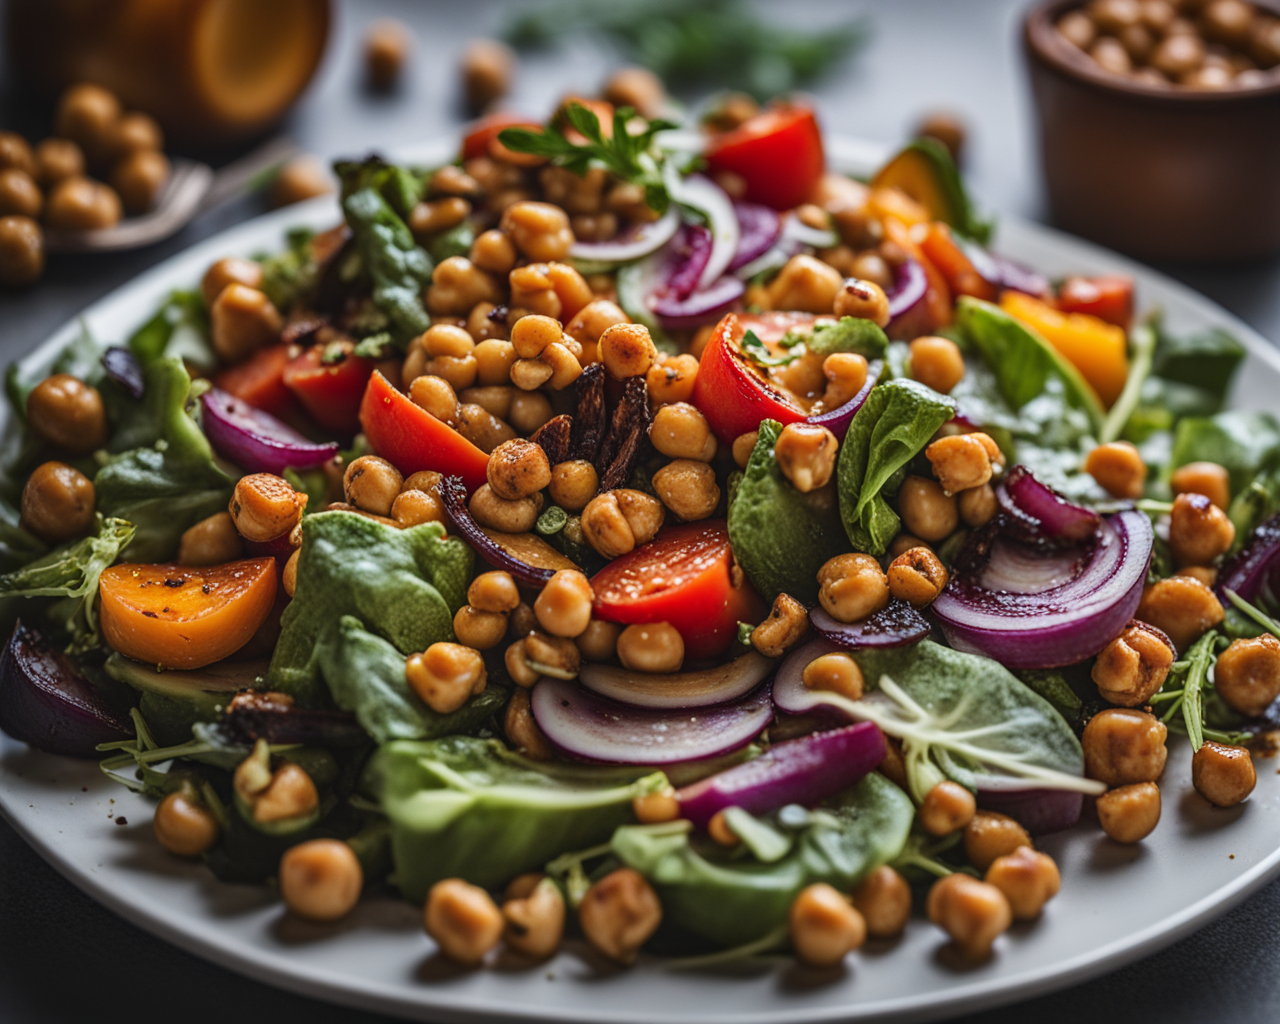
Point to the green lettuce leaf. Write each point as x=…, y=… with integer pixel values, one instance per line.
x=399, y=268
x=1242, y=441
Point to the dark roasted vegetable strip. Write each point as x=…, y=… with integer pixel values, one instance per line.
x=254, y=716
x=453, y=492
x=553, y=438
x=590, y=418
x=629, y=427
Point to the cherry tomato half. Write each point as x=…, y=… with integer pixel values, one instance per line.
x=778, y=153
x=259, y=380
x=685, y=576
x=1108, y=298
x=330, y=391
x=484, y=131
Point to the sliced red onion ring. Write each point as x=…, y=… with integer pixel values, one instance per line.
x=453, y=495
x=1037, y=513
x=797, y=231
x=701, y=193
x=759, y=227
x=774, y=258
x=1018, y=278
x=896, y=625
x=702, y=307
x=1026, y=607
x=837, y=420
x=255, y=440
x=790, y=695
x=122, y=366
x=1254, y=572
x=588, y=726
x=1039, y=811
x=633, y=244
x=909, y=289
x=690, y=250
x=697, y=688
x=803, y=771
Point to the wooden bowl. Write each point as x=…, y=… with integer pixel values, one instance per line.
x=1163, y=173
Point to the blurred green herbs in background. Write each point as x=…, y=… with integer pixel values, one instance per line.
x=691, y=43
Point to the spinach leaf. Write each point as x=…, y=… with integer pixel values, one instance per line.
x=1207, y=361
x=291, y=274
x=181, y=322
x=1052, y=685
x=1241, y=441
x=733, y=900
x=1255, y=504
x=399, y=267
x=457, y=241
x=82, y=358
x=473, y=809
x=1162, y=403
x=365, y=675
x=406, y=584
x=780, y=536
x=892, y=427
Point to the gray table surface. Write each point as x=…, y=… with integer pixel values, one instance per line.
x=63, y=958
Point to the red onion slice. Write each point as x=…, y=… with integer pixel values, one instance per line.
x=633, y=244
x=702, y=307
x=588, y=726
x=453, y=495
x=1253, y=572
x=802, y=771
x=1039, y=811
x=697, y=688
x=1036, y=513
x=703, y=194
x=122, y=366
x=896, y=625
x=758, y=227
x=790, y=695
x=1029, y=608
x=908, y=291
x=837, y=420
x=689, y=254
x=255, y=440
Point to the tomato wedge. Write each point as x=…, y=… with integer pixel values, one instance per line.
x=259, y=380
x=1108, y=298
x=484, y=131
x=778, y=153
x=685, y=576
x=330, y=392
x=412, y=440
x=732, y=393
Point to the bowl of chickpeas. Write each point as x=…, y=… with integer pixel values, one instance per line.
x=1159, y=124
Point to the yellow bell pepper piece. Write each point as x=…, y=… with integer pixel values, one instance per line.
x=1097, y=349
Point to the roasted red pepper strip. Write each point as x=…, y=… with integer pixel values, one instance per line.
x=259, y=380
x=954, y=265
x=330, y=392
x=1108, y=298
x=778, y=153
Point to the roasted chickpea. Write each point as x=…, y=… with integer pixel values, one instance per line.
x=671, y=380
x=81, y=204
x=462, y=919
x=883, y=899
x=21, y=251
x=1178, y=54
x=627, y=350
x=227, y=271
x=501, y=514
x=436, y=395
x=806, y=284
x=435, y=215
x=139, y=178
x=1118, y=468
x=57, y=503
x=973, y=913
x=825, y=927
x=494, y=359
x=743, y=446
x=241, y=321
x=1207, y=478
x=916, y=576
x=865, y=300
x=521, y=729
x=977, y=506
x=212, y=541
x=926, y=509
x=481, y=630
x=290, y=794
x=518, y=469
x=688, y=488
x=563, y=607
x=68, y=414
x=846, y=373
x=651, y=647
x=653, y=808
x=619, y=913
x=835, y=673
x=806, y=454
x=936, y=363
x=487, y=67
x=618, y=521
x=599, y=641
x=289, y=574
x=530, y=410
x=787, y=622
x=963, y=461
x=457, y=285
x=19, y=196
x=1182, y=607
x=320, y=879
x=1124, y=745
x=1134, y=665
x=264, y=507
x=184, y=826
x=371, y=484
x=990, y=835
x=720, y=832
x=1128, y=814
x=1199, y=531
x=15, y=152
x=56, y=159
x=535, y=921
x=946, y=808
x=482, y=428
x=904, y=542
x=134, y=132
x=1247, y=674
x=680, y=431
x=1223, y=774
x=87, y=115
x=301, y=178
x=1028, y=880
x=445, y=676
x=574, y=484
x=539, y=230
x=852, y=587
x=494, y=592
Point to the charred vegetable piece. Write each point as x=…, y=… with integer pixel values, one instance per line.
x=628, y=428
x=590, y=418
x=453, y=493
x=263, y=716
x=554, y=438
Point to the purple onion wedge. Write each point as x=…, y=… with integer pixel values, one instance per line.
x=837, y=420
x=1039, y=811
x=759, y=227
x=122, y=366
x=702, y=307
x=909, y=289
x=802, y=771
x=1254, y=572
x=1038, y=514
x=896, y=625
x=690, y=251
x=48, y=703
x=696, y=688
x=255, y=440
x=635, y=243
x=453, y=495
x=593, y=728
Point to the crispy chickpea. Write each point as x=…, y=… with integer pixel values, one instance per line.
x=135, y=132
x=1178, y=54
x=824, y=926
x=19, y=196
x=916, y=576
x=651, y=647
x=680, y=431
x=462, y=919
x=371, y=484
x=1133, y=666
x=852, y=587
x=457, y=285
x=574, y=484
x=289, y=574
x=184, y=826
x=1128, y=814
x=516, y=660
x=688, y=488
x=1118, y=468
x=936, y=363
x=1111, y=55
x=835, y=673
x=927, y=510
x=494, y=359
x=81, y=204
x=481, y=630
x=1247, y=674
x=529, y=410
x=627, y=350
x=1124, y=745
x=963, y=461
x=1181, y=607
x=535, y=920
x=563, y=607
x=973, y=913
x=241, y=321
x=57, y=503
x=1206, y=574
x=139, y=178
x=743, y=446
x=554, y=656
x=846, y=373
x=532, y=334
x=494, y=252
x=805, y=284
x=21, y=251
x=482, y=428
x=571, y=288
x=450, y=354
x=990, y=835
x=883, y=899
x=946, y=808
x=436, y=395
x=320, y=879
x=1223, y=774
x=501, y=514
x=619, y=913
x=494, y=592
x=435, y=215
x=386, y=47
x=904, y=542
x=618, y=521
x=211, y=541
x=520, y=728
x=1028, y=880
x=865, y=300
x=1207, y=478
x=539, y=230
x=487, y=67
x=1199, y=530
x=599, y=641
x=228, y=271
x=806, y=454
x=15, y=152
x=653, y=808
x=67, y=413
x=977, y=505
x=787, y=622
x=301, y=178
x=87, y=115
x=291, y=794
x=445, y=676
x=264, y=507
x=804, y=375
x=590, y=322
x=517, y=469
x=56, y=159
x=672, y=380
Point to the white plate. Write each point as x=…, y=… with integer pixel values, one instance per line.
x=1117, y=903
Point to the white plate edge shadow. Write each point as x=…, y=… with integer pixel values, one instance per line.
x=282, y=970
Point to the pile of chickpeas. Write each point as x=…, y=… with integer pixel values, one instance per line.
x=1193, y=44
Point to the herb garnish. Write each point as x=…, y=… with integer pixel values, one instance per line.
x=759, y=353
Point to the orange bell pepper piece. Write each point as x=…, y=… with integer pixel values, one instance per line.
x=1097, y=349
x=937, y=299
x=954, y=265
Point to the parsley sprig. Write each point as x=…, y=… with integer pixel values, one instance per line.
x=629, y=155
x=760, y=354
